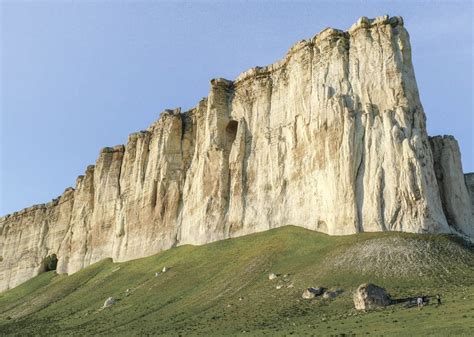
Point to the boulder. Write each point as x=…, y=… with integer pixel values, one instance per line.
x=164, y=270
x=109, y=302
x=272, y=276
x=369, y=296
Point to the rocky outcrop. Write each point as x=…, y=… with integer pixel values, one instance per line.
x=469, y=178
x=28, y=236
x=452, y=185
x=331, y=138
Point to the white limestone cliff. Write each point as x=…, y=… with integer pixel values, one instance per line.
x=331, y=138
x=454, y=193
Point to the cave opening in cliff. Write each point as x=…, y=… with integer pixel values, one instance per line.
x=231, y=132
x=50, y=262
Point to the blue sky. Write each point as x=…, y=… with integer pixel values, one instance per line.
x=80, y=75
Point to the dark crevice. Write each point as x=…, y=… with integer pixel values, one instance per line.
x=154, y=194
x=230, y=135
x=359, y=176
x=50, y=263
x=186, y=159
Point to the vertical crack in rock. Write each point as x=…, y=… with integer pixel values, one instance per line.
x=83, y=222
x=247, y=145
x=154, y=193
x=145, y=157
x=231, y=133
x=188, y=141
x=359, y=176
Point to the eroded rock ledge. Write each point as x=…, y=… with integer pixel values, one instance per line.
x=331, y=138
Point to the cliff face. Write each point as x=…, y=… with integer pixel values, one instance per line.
x=331, y=138
x=452, y=185
x=469, y=178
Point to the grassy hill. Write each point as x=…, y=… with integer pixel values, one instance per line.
x=223, y=289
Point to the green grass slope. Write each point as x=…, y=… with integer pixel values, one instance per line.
x=223, y=289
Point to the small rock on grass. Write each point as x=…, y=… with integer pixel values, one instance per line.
x=272, y=276
x=312, y=292
x=332, y=294
x=109, y=302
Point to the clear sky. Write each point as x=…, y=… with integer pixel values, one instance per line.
x=80, y=75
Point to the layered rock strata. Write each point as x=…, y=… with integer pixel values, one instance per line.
x=331, y=138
